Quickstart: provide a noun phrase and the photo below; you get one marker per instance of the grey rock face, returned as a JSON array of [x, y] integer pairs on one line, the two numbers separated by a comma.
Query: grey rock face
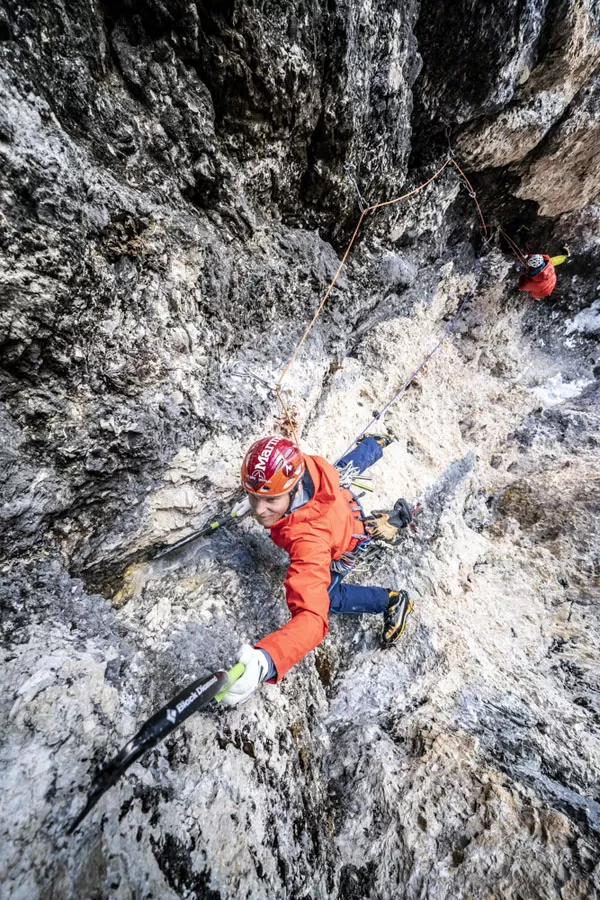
[[571, 157], [174, 202], [531, 61]]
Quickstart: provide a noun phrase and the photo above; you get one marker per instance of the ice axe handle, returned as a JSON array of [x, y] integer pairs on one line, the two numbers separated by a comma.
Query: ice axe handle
[[232, 676]]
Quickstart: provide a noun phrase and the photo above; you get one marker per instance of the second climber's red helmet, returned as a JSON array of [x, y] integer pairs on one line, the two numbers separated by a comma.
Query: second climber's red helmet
[[271, 467]]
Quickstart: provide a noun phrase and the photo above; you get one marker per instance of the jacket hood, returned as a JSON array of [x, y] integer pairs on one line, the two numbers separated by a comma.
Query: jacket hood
[[327, 483]]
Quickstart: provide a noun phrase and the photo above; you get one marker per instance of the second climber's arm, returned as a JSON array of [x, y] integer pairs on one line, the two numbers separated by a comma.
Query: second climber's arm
[[524, 282]]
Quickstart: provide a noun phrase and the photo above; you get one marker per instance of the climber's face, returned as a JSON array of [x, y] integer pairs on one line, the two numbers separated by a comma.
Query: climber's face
[[269, 510]]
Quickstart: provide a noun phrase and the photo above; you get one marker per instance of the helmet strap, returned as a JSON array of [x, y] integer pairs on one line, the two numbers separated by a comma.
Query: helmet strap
[[293, 493]]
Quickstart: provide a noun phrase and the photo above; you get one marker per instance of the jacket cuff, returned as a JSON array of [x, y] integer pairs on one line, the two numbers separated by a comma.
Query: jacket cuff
[[271, 676]]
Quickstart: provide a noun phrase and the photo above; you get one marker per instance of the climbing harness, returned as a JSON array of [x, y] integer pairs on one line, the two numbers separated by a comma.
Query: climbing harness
[[347, 475], [362, 558]]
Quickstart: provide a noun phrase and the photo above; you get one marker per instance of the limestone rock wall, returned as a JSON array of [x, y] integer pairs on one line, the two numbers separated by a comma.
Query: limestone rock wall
[[174, 201]]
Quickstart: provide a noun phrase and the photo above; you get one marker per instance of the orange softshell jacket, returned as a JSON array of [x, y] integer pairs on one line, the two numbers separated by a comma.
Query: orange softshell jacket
[[542, 284], [313, 535]]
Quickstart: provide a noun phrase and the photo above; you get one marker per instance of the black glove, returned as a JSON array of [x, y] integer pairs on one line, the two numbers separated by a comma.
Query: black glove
[[384, 526], [401, 515]]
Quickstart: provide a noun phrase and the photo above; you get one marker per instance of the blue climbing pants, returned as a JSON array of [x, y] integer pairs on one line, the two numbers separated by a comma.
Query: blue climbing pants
[[363, 455], [355, 599]]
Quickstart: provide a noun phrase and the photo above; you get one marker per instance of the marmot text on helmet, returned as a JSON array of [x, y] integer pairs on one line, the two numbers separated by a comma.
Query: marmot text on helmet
[[272, 466]]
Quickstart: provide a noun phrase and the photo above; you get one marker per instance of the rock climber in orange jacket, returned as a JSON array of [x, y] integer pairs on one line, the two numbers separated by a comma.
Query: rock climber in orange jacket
[[319, 522], [540, 278]]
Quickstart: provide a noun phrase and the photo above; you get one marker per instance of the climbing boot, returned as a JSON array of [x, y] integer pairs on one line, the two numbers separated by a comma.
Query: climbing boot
[[394, 618], [384, 440], [385, 525]]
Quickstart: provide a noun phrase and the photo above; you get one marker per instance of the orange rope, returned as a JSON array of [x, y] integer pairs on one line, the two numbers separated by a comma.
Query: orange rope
[[325, 296], [471, 192], [410, 193], [518, 255], [330, 287]]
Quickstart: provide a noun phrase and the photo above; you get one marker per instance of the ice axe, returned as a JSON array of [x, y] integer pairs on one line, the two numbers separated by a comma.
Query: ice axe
[[203, 692], [241, 509]]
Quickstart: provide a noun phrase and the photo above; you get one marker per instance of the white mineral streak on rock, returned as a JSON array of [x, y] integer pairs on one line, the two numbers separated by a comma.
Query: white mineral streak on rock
[[587, 321], [555, 390]]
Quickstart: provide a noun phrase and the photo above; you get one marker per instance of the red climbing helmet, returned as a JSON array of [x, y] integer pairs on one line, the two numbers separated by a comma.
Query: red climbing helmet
[[272, 466]]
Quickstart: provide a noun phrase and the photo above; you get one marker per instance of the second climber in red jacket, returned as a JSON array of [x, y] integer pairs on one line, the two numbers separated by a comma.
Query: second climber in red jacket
[[540, 278], [299, 499]]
